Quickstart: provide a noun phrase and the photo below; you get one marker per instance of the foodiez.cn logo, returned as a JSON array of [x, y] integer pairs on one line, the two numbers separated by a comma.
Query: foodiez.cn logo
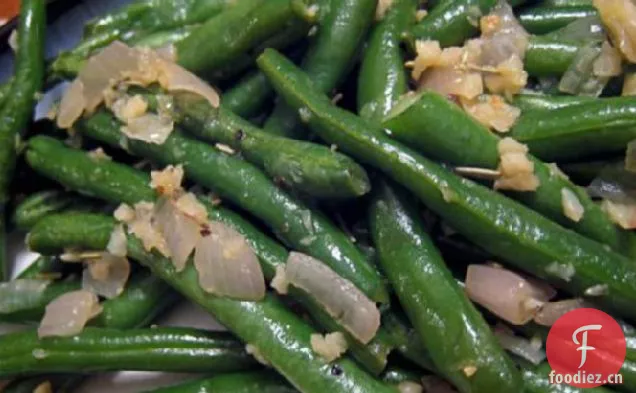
[[586, 348]]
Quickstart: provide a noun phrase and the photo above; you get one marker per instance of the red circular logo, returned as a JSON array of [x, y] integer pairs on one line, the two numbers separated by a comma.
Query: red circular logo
[[585, 348]]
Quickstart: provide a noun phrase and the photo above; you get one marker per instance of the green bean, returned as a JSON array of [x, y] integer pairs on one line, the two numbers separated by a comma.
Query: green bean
[[584, 172], [566, 3], [452, 22], [247, 98], [38, 205], [281, 337], [16, 112], [382, 78], [221, 41], [532, 102], [75, 173], [576, 132], [307, 167], [100, 349], [417, 121], [452, 329], [341, 31], [542, 20], [249, 188], [500, 225], [548, 56], [152, 15], [19, 308], [255, 382]]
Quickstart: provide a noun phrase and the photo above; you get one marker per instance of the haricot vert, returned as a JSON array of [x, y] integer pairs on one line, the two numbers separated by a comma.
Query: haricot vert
[[503, 227]]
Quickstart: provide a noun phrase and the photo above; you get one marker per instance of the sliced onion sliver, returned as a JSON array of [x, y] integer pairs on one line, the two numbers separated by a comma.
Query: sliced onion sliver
[[180, 232], [341, 299], [227, 265], [106, 276], [520, 346], [21, 293], [117, 244], [67, 314], [504, 293], [552, 311]]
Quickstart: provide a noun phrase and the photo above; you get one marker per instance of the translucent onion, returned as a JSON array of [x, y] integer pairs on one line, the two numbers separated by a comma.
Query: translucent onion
[[619, 17], [118, 243], [550, 312], [502, 35], [505, 293], [227, 265], [68, 314], [520, 346], [143, 228], [189, 205], [180, 232], [340, 298], [579, 78], [106, 276], [609, 63], [72, 105], [168, 181], [21, 294], [616, 182], [150, 128], [589, 29], [623, 214]]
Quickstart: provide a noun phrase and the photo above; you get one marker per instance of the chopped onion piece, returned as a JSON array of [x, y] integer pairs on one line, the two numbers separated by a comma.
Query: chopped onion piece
[[256, 353], [189, 205], [410, 387], [609, 63], [175, 78], [428, 54], [622, 214], [504, 293], [517, 170], [552, 311], [455, 82], [280, 282], [502, 35], [587, 29], [563, 271], [106, 276], [72, 105], [629, 85], [21, 293], [330, 347], [572, 207], [117, 244], [180, 232], [127, 108], [520, 346], [149, 128], [124, 213], [579, 78], [619, 18], [67, 314], [492, 111], [227, 265], [168, 181], [341, 299]]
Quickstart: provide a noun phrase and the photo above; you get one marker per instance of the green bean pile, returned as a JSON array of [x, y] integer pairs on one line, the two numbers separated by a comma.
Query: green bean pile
[[395, 147]]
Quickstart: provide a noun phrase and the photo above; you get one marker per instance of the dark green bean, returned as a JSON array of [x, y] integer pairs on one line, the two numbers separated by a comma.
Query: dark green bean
[[542, 20], [452, 329], [574, 133], [417, 121], [548, 56], [452, 22], [307, 167], [281, 337], [260, 382], [40, 204], [16, 112], [584, 172], [99, 349], [249, 188], [248, 97], [532, 102], [75, 173], [500, 225], [341, 31], [382, 78]]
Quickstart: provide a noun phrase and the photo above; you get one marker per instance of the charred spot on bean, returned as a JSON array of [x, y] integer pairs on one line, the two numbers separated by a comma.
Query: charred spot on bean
[[240, 135], [336, 370]]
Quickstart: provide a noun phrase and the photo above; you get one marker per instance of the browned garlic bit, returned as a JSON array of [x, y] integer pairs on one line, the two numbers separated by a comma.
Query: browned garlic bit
[[505, 293], [619, 18], [68, 314], [517, 171], [168, 181], [572, 207], [621, 213], [279, 282], [330, 346], [492, 111], [340, 298]]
